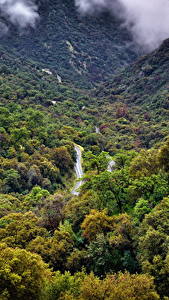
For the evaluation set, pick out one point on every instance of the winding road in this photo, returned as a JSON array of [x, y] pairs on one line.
[[79, 170], [110, 166]]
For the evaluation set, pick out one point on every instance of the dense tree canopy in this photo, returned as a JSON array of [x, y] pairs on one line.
[[109, 240], [23, 275]]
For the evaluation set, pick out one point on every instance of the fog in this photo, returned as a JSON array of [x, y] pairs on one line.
[[21, 13], [147, 20]]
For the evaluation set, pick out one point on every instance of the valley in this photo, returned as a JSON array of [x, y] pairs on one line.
[[84, 160]]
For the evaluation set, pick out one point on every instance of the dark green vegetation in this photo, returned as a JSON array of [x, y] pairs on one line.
[[84, 50], [136, 102], [111, 241]]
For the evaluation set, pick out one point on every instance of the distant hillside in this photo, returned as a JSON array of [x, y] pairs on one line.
[[83, 50], [134, 104], [145, 82]]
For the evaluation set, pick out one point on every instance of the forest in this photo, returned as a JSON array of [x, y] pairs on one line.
[[111, 240]]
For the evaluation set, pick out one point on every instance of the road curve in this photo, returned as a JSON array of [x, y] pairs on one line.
[[78, 170], [110, 166]]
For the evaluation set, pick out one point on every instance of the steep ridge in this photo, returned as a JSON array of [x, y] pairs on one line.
[[144, 82], [84, 50], [133, 107]]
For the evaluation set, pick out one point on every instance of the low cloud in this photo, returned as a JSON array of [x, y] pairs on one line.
[[147, 20], [21, 13]]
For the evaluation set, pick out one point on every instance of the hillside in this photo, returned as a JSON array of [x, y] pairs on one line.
[[85, 50], [135, 102], [145, 82], [131, 110]]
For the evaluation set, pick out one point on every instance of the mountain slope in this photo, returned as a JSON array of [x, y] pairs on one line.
[[134, 105], [131, 110], [145, 82], [51, 239], [85, 50]]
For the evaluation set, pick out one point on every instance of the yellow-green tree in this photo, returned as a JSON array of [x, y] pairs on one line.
[[119, 287], [17, 229], [23, 275], [96, 222]]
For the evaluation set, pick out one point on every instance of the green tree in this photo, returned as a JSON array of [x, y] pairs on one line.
[[65, 285], [154, 245], [52, 211], [145, 164], [62, 159], [62, 244], [141, 208], [36, 197], [163, 156], [8, 204], [12, 180], [98, 162], [111, 189], [77, 208]]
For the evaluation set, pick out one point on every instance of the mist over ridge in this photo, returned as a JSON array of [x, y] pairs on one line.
[[147, 20], [21, 13]]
